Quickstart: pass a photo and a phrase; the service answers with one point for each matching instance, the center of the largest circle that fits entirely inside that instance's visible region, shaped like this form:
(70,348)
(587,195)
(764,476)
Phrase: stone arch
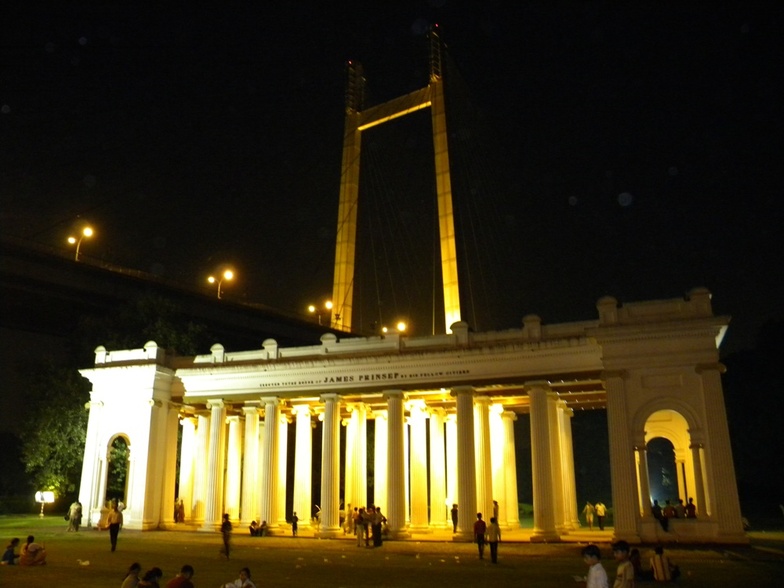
(116,481)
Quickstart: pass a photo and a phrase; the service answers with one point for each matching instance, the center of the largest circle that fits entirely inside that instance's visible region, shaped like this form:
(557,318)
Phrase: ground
(304,561)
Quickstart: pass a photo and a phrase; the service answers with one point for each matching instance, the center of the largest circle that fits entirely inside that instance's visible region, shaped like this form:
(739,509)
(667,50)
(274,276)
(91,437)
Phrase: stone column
(680,464)
(88,489)
(261,473)
(303,464)
(250,466)
(216,458)
(396,488)
(330,468)
(197,506)
(380,477)
(439,513)
(510,458)
(556,455)
(359,455)
(571,516)
(450,433)
(699,481)
(350,425)
(721,493)
(622,474)
(497,455)
(642,476)
(466,463)
(283,448)
(484,464)
(542,463)
(269,469)
(233,471)
(418,466)
(187,458)
(407,467)
(170,465)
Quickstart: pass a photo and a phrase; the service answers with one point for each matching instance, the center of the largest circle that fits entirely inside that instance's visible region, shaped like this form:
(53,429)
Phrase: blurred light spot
(573,200)
(89,181)
(5,109)
(83,41)
(673,171)
(625,198)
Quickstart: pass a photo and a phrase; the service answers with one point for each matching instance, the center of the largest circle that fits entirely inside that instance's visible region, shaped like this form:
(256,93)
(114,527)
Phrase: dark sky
(631,149)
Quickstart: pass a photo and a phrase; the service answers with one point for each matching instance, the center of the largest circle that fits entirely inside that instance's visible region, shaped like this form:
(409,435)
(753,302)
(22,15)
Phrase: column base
(463,537)
(398,535)
(545,537)
(329,533)
(420,529)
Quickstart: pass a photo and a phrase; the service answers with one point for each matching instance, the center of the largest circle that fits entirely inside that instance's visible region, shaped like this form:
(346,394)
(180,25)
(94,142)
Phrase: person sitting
(10,557)
(132,577)
(263,529)
(32,554)
(662,568)
(254,529)
(151,578)
(243,581)
(183,579)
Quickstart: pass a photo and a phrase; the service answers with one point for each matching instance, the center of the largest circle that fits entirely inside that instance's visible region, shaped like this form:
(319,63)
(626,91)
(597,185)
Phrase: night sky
(630,149)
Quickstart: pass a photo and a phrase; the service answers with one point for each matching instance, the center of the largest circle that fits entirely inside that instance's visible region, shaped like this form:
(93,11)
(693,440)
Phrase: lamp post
(227,275)
(86,232)
(45,497)
(313,309)
(400,327)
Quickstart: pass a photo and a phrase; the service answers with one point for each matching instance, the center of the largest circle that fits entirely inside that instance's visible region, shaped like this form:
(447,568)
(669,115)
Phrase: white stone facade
(653,365)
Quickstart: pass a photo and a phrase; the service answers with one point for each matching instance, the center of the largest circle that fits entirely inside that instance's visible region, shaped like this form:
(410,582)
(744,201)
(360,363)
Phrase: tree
(53,447)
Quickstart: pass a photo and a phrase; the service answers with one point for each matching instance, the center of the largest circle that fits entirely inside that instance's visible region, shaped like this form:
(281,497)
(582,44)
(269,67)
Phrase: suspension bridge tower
(358,120)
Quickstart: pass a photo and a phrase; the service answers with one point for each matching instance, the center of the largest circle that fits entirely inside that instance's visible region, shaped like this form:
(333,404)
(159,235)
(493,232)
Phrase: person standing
(480,533)
(294,521)
(115,522)
(493,538)
(454,518)
(589,511)
(597,576)
(74,516)
(624,577)
(601,512)
(226,532)
(183,579)
(691,509)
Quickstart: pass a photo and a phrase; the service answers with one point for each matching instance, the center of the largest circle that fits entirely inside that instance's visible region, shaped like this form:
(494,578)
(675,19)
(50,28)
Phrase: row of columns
(471,462)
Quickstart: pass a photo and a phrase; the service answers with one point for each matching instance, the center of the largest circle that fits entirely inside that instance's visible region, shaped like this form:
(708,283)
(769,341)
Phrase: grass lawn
(302,561)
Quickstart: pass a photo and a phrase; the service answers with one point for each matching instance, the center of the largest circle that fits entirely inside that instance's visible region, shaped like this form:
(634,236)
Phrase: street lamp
(45,497)
(86,232)
(313,309)
(227,275)
(400,327)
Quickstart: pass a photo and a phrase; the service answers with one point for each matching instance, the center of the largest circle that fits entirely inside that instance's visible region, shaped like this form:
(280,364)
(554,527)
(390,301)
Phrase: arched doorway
(118,459)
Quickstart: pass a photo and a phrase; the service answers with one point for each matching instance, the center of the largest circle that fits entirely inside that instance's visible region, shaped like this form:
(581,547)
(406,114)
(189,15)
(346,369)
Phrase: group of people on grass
(629,567)
(31,554)
(152,578)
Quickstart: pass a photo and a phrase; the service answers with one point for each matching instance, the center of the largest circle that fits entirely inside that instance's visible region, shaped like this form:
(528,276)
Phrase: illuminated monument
(442,410)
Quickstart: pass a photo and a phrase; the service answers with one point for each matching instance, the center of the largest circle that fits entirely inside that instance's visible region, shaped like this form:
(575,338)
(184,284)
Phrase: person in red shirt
(480,531)
(183,579)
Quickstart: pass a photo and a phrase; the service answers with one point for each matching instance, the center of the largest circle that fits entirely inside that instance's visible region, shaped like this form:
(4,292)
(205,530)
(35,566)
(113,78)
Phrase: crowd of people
(630,568)
(366,524)
(152,578)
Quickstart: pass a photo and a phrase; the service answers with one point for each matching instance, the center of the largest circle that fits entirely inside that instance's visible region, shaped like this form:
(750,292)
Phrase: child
(624,577)
(10,557)
(597,577)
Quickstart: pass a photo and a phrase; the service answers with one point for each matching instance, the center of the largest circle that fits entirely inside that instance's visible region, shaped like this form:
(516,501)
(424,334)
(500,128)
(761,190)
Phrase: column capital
(301,409)
(216,403)
(331,397)
(509,414)
(273,400)
(437,411)
(707,367)
(233,418)
(537,385)
(484,400)
(460,390)
(388,394)
(250,410)
(417,403)
(381,413)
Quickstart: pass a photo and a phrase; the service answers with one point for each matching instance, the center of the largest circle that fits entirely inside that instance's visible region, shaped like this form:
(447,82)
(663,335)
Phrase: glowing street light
(227,275)
(86,232)
(400,327)
(45,497)
(313,309)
